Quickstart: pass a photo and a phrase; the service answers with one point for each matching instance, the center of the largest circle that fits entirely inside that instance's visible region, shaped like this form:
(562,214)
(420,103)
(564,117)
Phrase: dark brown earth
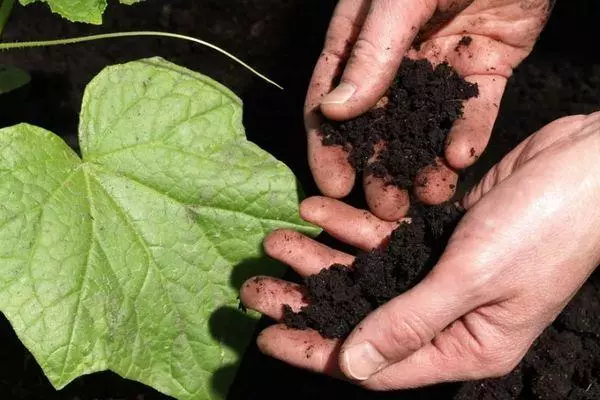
(340,297)
(422,104)
(283,39)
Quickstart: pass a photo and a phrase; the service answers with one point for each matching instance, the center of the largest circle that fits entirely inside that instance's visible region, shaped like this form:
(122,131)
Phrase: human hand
(530,238)
(370,38)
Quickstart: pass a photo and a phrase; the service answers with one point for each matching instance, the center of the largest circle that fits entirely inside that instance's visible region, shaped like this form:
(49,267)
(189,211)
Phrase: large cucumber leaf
(12,78)
(123,259)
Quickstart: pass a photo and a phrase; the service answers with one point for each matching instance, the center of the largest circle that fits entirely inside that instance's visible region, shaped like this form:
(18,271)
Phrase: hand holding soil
(367,40)
(528,241)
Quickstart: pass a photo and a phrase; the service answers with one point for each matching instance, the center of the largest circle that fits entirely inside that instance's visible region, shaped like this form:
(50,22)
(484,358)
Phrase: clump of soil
(464,41)
(340,297)
(422,104)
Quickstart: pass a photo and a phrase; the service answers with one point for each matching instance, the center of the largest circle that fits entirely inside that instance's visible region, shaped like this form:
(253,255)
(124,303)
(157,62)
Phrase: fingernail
(362,361)
(340,94)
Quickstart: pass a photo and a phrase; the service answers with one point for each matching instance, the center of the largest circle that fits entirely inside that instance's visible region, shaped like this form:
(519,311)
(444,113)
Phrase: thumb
(404,325)
(388,31)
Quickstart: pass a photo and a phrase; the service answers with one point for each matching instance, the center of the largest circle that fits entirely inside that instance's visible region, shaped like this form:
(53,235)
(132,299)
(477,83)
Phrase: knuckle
(595,116)
(342,25)
(591,122)
(336,44)
(333,54)
(369,54)
(475,275)
(428,4)
(578,119)
(497,362)
(409,333)
(479,287)
(491,179)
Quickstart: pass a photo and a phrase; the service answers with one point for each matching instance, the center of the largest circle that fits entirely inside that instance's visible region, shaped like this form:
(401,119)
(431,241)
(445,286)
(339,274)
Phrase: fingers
(486,62)
(470,135)
(329,164)
(304,255)
(424,367)
(404,325)
(344,28)
(356,227)
(303,349)
(331,170)
(387,33)
(467,139)
(436,183)
(268,295)
(483,56)
(387,202)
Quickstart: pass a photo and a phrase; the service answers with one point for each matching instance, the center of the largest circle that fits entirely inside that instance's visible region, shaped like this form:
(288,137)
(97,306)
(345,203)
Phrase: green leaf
(89,11)
(130,258)
(12,78)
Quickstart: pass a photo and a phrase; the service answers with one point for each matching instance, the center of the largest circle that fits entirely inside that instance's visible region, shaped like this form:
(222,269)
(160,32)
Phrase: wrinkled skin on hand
(529,239)
(366,42)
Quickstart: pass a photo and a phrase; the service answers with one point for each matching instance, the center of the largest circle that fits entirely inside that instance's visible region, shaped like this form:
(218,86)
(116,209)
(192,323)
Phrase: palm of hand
(508,270)
(371,37)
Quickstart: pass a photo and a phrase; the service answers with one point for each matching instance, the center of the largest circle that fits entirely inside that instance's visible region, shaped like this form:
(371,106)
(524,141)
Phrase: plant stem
(5,10)
(81,39)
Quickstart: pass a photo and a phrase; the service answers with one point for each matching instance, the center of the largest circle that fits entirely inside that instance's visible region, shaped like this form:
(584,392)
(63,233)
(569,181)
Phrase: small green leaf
(125,259)
(89,11)
(12,78)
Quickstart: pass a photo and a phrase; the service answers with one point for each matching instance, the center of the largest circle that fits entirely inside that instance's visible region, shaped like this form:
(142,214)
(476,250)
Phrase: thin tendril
(81,39)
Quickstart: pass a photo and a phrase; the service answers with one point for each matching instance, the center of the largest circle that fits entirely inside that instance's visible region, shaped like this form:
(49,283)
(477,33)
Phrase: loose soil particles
(465,41)
(419,110)
(340,297)
(283,40)
(422,104)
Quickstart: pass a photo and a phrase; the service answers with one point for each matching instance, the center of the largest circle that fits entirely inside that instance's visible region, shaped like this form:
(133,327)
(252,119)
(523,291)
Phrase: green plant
(6,7)
(123,259)
(89,11)
(118,35)
(12,78)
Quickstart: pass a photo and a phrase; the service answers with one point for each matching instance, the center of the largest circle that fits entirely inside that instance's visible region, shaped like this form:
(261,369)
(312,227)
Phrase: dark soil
(340,297)
(422,104)
(464,41)
(564,363)
(283,39)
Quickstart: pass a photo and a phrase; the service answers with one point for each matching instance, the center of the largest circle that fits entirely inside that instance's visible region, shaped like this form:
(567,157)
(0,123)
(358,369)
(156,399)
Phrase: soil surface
(420,108)
(340,297)
(283,39)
